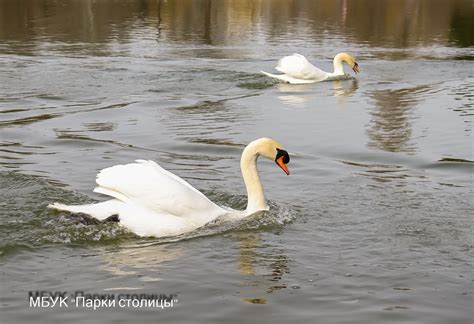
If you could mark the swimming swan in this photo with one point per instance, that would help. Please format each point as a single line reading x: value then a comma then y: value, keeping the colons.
x: 297, y: 69
x: 151, y: 201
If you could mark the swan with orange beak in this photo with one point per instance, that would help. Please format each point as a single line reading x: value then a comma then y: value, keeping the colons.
x: 151, y: 201
x: 282, y: 159
x: 297, y: 70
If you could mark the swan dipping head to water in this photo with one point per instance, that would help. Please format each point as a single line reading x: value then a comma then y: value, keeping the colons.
x: 297, y: 69
x: 349, y: 59
x: 151, y: 201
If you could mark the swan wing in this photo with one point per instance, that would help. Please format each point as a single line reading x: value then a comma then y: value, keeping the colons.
x: 298, y: 67
x: 146, y: 184
x: 288, y: 79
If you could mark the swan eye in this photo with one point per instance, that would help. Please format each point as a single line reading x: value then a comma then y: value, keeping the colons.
x: 284, y: 154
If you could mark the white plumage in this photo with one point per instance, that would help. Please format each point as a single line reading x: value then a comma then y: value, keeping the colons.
x: 147, y: 184
x: 297, y: 70
x: 298, y: 67
x: 151, y: 201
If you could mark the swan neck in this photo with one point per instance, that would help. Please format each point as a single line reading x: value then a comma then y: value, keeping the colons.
x: 337, y: 63
x: 255, y: 195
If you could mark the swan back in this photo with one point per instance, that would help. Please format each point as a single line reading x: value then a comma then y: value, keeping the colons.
x: 148, y: 185
x: 298, y: 67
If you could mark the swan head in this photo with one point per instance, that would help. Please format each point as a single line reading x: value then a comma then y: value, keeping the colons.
x: 271, y: 150
x: 282, y: 159
x: 349, y: 59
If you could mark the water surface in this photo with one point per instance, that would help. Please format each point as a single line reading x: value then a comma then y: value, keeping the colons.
x: 373, y: 225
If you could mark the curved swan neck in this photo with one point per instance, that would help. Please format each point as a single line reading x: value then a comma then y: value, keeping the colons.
x: 337, y: 63
x: 248, y: 166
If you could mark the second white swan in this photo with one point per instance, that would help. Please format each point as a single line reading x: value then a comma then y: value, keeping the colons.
x: 151, y: 201
x: 297, y: 70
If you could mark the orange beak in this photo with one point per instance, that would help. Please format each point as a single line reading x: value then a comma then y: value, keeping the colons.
x: 282, y: 165
x: 355, y: 68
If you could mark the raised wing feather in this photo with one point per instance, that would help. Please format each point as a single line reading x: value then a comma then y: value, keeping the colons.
x: 147, y: 184
x: 298, y: 67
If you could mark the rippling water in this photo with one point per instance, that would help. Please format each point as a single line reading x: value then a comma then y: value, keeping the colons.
x: 373, y: 225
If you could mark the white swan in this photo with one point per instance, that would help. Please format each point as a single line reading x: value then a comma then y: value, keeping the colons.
x: 297, y: 69
x: 151, y: 201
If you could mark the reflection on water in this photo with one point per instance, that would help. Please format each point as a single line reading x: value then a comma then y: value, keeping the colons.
x: 462, y: 25
x: 248, y: 244
x: 125, y: 261
x: 296, y: 94
x: 345, y: 88
x: 261, y: 261
x: 89, y: 84
x: 388, y: 23
x: 256, y: 259
x: 390, y: 127
x: 301, y: 94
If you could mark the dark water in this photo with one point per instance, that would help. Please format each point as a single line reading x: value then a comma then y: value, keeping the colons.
x: 374, y: 225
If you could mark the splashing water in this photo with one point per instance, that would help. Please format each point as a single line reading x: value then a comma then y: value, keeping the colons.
x: 26, y: 222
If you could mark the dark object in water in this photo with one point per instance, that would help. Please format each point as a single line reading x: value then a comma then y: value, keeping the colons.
x: 112, y: 218
x: 81, y: 218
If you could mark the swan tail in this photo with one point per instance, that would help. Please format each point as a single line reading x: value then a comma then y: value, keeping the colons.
x: 100, y: 211
x: 280, y: 77
x: 288, y: 79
